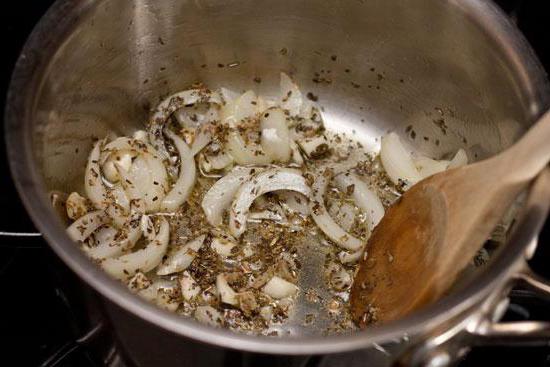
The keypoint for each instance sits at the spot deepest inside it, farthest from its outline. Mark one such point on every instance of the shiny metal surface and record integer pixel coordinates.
(95, 67)
(481, 326)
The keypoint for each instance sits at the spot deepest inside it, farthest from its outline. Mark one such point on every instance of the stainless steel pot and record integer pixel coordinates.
(94, 67)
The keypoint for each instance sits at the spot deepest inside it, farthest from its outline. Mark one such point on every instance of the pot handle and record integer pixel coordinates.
(529, 333)
(482, 328)
(447, 348)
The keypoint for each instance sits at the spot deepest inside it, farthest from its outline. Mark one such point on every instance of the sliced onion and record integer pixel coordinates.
(189, 287)
(324, 221)
(248, 250)
(147, 227)
(84, 226)
(460, 159)
(340, 279)
(146, 173)
(275, 215)
(118, 214)
(363, 197)
(278, 288)
(314, 146)
(140, 135)
(275, 135)
(183, 186)
(266, 312)
(295, 153)
(350, 257)
(168, 299)
(241, 108)
(397, 161)
(127, 145)
(76, 205)
(221, 194)
(209, 316)
(120, 197)
(294, 202)
(196, 115)
(154, 185)
(93, 185)
(291, 97)
(122, 159)
(270, 180)
(171, 104)
(215, 162)
(151, 292)
(343, 214)
(106, 234)
(123, 241)
(245, 154)
(227, 294)
(133, 193)
(428, 166)
(307, 109)
(222, 247)
(163, 293)
(182, 258)
(142, 260)
(139, 282)
(228, 95)
(202, 139)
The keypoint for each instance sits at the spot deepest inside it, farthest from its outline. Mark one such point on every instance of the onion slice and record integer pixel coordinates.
(294, 202)
(149, 177)
(350, 257)
(363, 197)
(397, 161)
(142, 260)
(343, 214)
(324, 221)
(182, 258)
(216, 162)
(274, 179)
(84, 226)
(95, 190)
(188, 286)
(460, 159)
(170, 105)
(295, 153)
(183, 186)
(291, 97)
(202, 139)
(245, 154)
(222, 246)
(209, 315)
(134, 195)
(240, 108)
(227, 294)
(428, 167)
(221, 194)
(120, 197)
(123, 241)
(279, 288)
(275, 135)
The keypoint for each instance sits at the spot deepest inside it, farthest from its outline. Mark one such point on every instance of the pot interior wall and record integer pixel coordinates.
(390, 64)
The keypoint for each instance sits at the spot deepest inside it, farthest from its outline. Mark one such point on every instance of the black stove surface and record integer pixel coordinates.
(41, 311)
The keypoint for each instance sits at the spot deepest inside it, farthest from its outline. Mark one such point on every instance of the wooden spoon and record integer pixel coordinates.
(434, 230)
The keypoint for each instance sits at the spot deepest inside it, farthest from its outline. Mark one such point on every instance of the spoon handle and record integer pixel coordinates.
(525, 159)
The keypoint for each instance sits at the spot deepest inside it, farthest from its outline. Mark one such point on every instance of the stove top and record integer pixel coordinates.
(47, 314)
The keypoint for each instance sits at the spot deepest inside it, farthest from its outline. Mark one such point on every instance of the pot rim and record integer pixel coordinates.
(60, 19)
